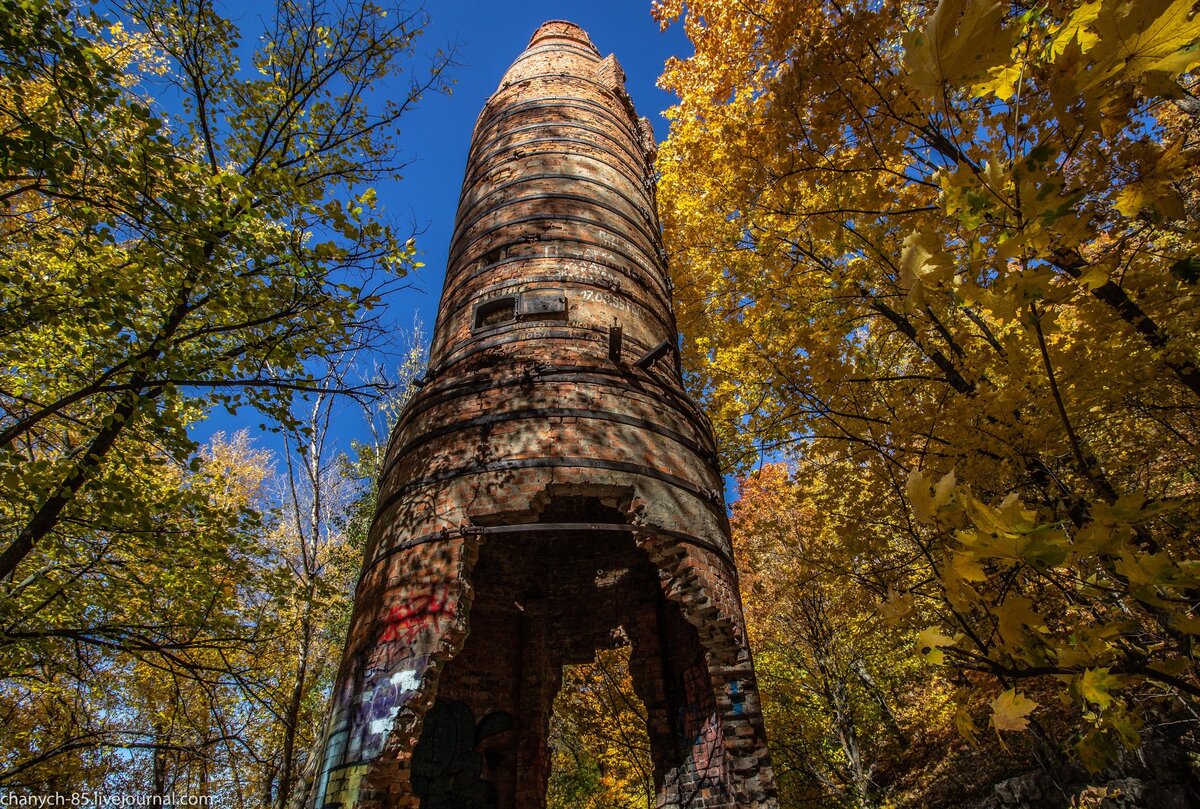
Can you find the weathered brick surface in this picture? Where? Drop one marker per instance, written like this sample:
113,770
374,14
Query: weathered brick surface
550,488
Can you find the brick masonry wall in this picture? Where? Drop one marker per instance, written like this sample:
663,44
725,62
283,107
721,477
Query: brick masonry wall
550,485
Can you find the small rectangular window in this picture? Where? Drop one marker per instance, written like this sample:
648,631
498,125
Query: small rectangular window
495,312
491,256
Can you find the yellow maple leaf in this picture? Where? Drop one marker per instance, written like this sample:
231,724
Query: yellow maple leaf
1153,189
1076,28
1186,624
962,40
929,643
967,566
965,724
917,489
1094,685
1151,35
896,607
1002,81
1010,709
944,490
1013,616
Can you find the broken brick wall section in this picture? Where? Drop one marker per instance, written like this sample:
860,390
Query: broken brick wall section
548,486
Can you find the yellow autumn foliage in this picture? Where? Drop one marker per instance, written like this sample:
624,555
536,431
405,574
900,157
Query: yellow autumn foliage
945,256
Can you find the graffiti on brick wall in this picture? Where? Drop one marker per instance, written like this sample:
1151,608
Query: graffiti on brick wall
381,699
363,723
340,788
397,661
447,768
391,674
708,747
701,724
737,696
407,622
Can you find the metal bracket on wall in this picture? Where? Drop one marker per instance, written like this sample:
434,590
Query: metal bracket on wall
654,355
615,334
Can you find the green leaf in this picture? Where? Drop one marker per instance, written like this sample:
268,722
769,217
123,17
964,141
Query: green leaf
1094,686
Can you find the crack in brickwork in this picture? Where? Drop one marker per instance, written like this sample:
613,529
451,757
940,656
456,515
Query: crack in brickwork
550,484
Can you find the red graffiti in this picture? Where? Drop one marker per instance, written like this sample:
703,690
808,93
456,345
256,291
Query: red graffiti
405,622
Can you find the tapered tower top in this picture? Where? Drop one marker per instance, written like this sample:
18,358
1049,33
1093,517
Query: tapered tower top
561,32
556,243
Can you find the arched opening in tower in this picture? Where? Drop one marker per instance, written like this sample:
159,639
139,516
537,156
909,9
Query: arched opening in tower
545,597
599,742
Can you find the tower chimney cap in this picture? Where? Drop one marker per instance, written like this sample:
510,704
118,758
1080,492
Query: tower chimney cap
562,30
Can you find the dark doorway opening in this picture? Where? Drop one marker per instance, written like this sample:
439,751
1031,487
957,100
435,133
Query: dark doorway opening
565,592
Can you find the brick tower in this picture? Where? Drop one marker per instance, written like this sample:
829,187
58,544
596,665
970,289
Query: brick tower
550,490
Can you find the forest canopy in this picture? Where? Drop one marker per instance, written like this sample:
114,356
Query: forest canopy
188,222
941,258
